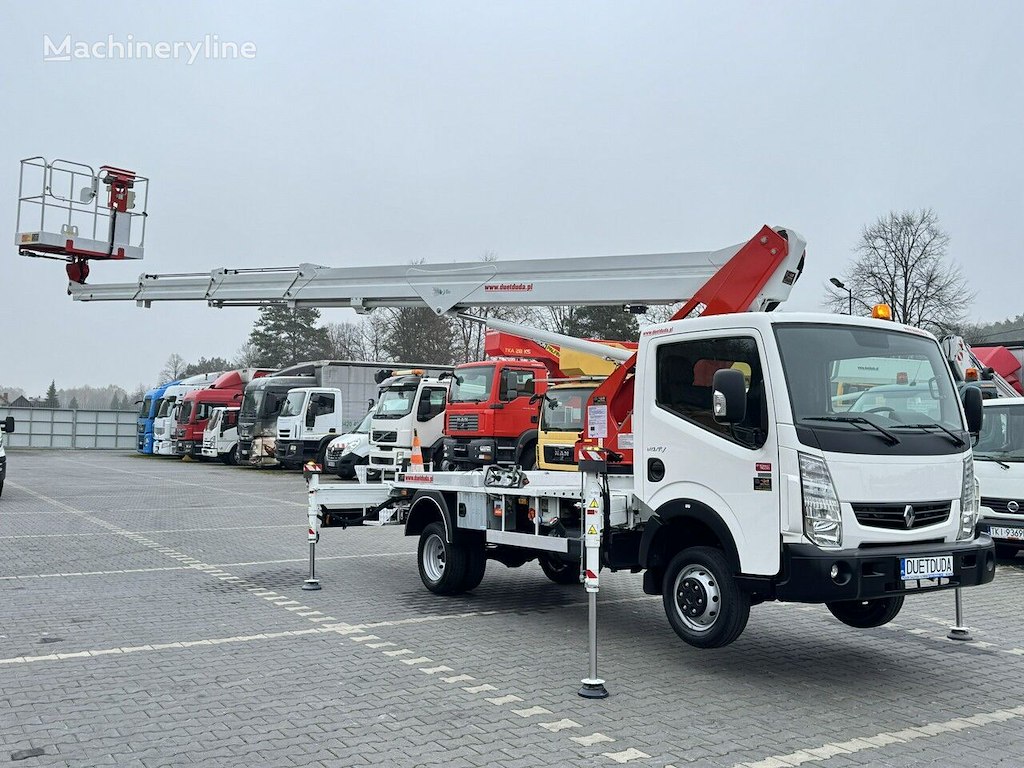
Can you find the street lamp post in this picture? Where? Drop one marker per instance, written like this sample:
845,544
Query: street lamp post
849,292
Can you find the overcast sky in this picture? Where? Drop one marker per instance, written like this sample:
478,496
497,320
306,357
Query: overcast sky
364,133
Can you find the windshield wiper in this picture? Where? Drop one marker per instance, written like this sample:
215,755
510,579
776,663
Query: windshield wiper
888,436
959,441
1002,464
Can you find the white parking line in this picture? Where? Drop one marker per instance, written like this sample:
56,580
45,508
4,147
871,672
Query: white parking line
825,751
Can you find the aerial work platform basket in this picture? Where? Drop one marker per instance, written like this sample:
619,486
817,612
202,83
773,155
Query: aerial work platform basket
71,212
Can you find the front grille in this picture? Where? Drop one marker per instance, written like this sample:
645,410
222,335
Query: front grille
384,460
1002,506
284,433
894,516
558,454
384,437
334,453
464,422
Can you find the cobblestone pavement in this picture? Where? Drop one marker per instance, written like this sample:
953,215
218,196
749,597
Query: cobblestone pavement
152,615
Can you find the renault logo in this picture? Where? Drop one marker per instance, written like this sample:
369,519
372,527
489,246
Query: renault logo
908,515
1013,506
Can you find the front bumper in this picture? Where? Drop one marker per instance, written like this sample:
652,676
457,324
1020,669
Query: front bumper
188,448
344,465
289,454
870,573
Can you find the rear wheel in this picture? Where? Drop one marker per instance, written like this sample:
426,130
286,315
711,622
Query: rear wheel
558,570
864,614
702,601
448,568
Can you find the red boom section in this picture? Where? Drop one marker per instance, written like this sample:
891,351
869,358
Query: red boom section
734,288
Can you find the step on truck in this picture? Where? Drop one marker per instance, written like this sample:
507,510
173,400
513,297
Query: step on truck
744,487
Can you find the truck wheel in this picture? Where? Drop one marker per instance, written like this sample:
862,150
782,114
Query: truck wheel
864,614
1006,551
558,570
475,569
528,458
702,601
444,566
231,457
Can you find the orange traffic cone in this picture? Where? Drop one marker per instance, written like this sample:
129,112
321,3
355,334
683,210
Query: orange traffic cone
416,458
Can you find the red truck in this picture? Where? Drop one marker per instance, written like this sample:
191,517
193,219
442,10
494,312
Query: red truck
491,416
197,406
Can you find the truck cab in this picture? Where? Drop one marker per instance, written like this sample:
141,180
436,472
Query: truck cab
257,419
410,405
165,424
6,427
220,437
198,405
999,463
310,418
562,409
491,417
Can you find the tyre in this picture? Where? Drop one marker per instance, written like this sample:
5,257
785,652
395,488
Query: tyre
702,601
475,569
447,568
864,614
558,570
231,457
1006,551
528,458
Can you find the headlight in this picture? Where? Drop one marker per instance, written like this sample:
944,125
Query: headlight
823,523
968,501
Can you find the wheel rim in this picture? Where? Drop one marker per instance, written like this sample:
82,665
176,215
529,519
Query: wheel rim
698,599
433,557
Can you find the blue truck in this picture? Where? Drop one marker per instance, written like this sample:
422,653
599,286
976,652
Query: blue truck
147,412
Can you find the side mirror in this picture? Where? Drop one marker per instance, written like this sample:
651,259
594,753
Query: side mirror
535,397
973,410
729,399
9,424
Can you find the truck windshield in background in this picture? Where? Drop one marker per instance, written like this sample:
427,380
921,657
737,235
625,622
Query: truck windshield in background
472,385
563,409
395,403
876,387
144,410
1002,434
186,411
166,405
251,404
293,404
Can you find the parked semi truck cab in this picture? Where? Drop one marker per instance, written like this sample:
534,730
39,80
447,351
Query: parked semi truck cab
490,417
310,418
220,437
169,411
6,427
409,404
257,419
197,406
148,410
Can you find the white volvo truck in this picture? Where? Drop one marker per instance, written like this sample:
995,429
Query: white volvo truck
748,484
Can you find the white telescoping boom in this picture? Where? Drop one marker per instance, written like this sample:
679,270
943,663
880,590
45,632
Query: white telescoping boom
644,279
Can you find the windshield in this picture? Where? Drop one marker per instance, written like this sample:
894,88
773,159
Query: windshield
395,403
471,385
164,410
563,409
144,410
293,404
364,425
186,411
251,403
851,375
1002,434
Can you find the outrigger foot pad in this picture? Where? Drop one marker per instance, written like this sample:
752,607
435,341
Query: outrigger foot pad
593,689
310,584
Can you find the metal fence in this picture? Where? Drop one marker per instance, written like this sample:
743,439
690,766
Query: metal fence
67,428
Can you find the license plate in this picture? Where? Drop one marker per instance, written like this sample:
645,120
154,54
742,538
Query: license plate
933,567
1014,534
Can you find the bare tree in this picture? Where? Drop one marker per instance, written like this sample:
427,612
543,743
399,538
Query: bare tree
901,261
173,368
347,341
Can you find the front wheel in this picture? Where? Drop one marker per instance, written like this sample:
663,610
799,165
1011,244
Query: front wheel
231,457
558,570
864,614
447,568
702,601
1003,551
